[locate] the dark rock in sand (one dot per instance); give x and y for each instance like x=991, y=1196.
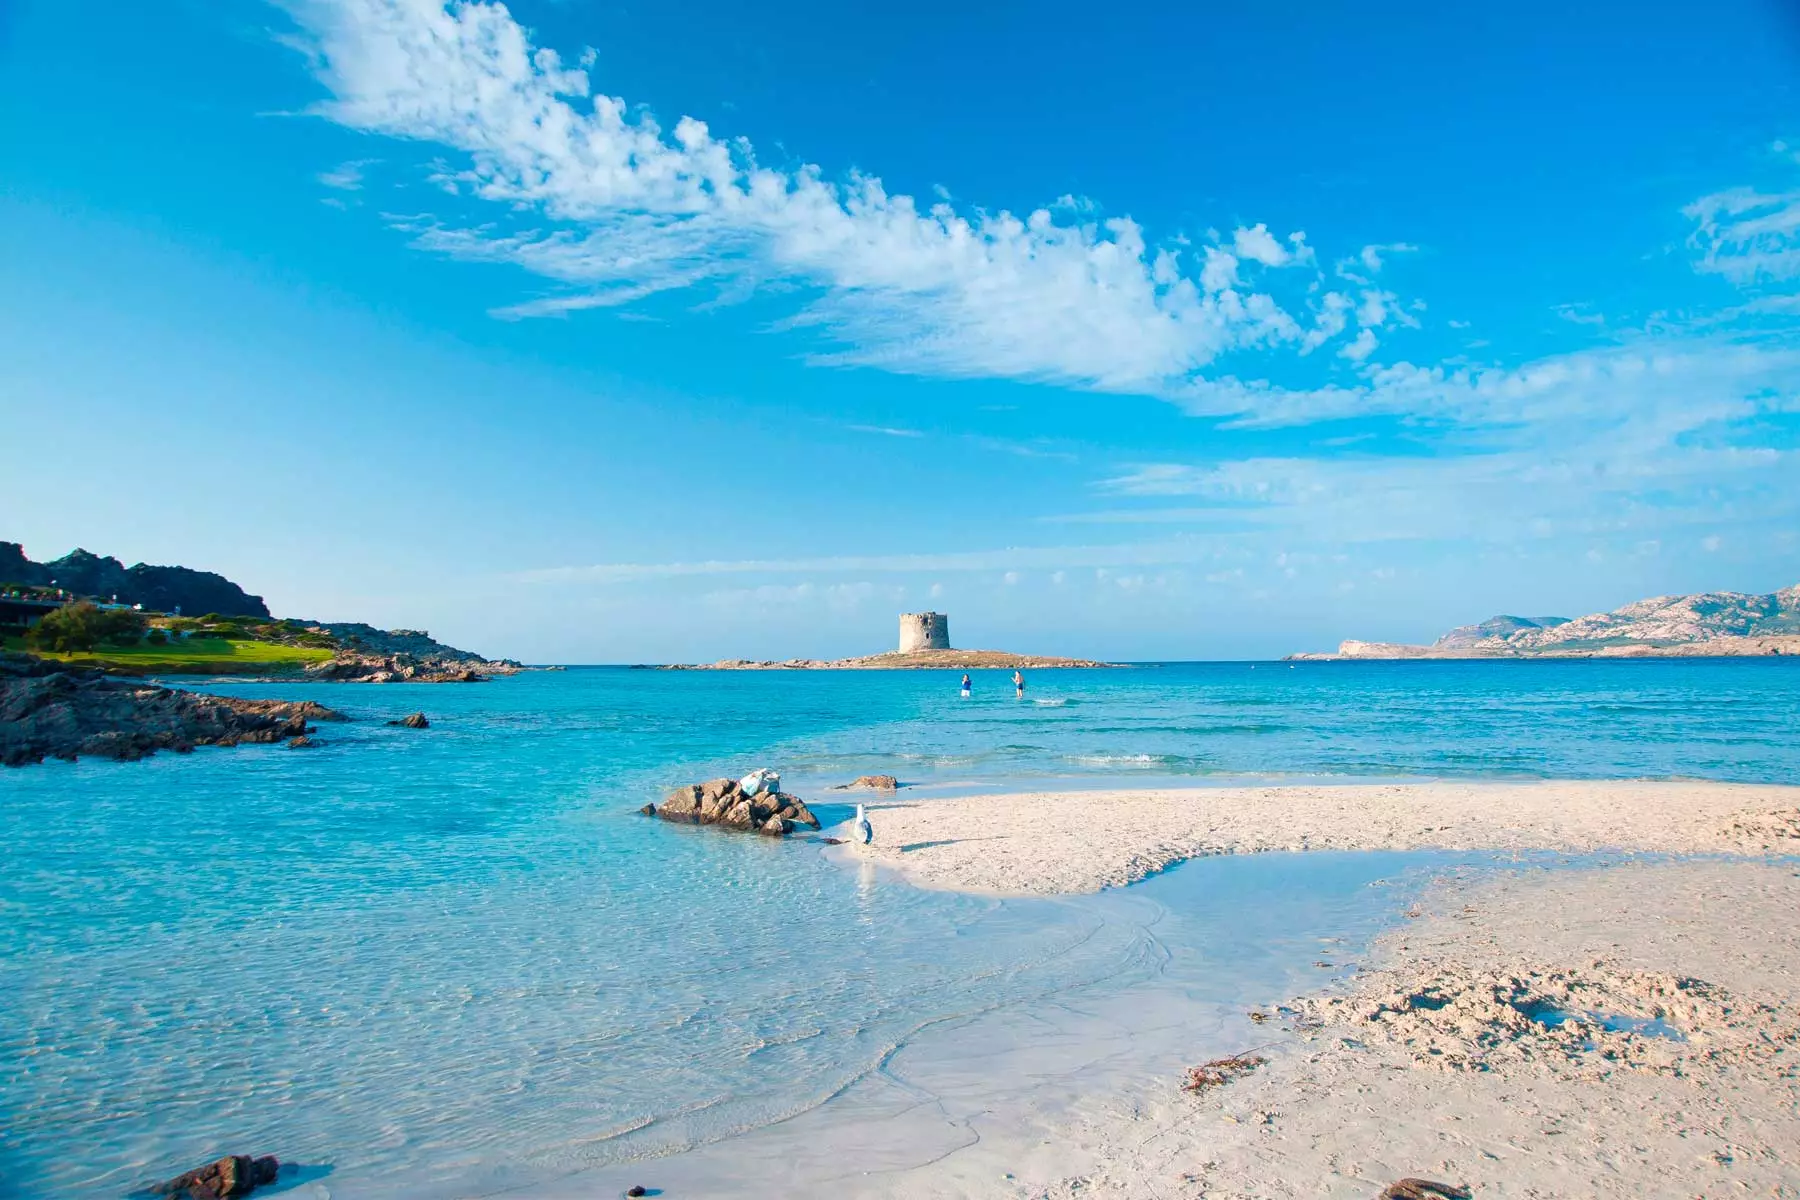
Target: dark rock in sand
x=636, y=1190
x=233, y=1175
x=880, y=783
x=1423, y=1189
x=413, y=721
x=723, y=802
x=49, y=710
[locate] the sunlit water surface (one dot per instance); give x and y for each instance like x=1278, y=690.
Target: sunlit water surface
x=422, y=962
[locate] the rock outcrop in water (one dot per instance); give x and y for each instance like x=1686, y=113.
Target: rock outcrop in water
x=48, y=710
x=233, y=1175
x=723, y=802
x=353, y=667
x=878, y=783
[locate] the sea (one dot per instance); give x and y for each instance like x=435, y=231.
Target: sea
x=458, y=962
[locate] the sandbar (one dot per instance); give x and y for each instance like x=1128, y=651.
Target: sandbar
x=1074, y=842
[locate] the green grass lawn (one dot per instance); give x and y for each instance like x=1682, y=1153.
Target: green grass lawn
x=195, y=656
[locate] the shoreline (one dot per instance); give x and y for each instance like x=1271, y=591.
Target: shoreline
x=1621, y=1031
x=1060, y=843
x=1599, y=1026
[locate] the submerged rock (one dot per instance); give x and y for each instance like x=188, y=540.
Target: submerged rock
x=879, y=783
x=413, y=721
x=49, y=710
x=233, y=1175
x=724, y=802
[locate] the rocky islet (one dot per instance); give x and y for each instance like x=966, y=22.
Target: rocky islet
x=724, y=802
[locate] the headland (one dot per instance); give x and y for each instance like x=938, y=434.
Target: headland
x=1704, y=625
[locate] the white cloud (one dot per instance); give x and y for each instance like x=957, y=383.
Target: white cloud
x=624, y=209
x=345, y=177
x=1362, y=347
x=1746, y=235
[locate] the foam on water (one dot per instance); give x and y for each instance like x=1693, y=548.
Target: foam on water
x=416, y=961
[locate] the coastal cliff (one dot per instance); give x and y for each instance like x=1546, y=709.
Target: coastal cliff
x=1706, y=625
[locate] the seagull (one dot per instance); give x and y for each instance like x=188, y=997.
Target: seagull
x=862, y=831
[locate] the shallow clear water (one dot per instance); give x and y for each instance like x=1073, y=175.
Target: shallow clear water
x=415, y=960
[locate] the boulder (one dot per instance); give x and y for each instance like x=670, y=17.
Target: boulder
x=413, y=721
x=299, y=743
x=724, y=802
x=233, y=1175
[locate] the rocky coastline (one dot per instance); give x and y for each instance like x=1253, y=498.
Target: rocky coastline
x=1704, y=625
x=354, y=667
x=49, y=710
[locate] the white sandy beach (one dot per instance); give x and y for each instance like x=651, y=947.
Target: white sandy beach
x=1436, y=1060
x=1620, y=1030
x=1062, y=843
x=1430, y=1065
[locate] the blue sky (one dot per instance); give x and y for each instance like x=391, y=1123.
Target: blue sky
x=605, y=332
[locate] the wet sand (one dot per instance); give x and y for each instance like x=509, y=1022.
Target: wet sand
x=1438, y=1061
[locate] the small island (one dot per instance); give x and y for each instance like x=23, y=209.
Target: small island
x=924, y=646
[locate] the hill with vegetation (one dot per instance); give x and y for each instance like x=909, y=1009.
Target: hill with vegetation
x=161, y=589
x=1707, y=624
x=146, y=632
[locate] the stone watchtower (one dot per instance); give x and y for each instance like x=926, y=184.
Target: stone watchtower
x=924, y=631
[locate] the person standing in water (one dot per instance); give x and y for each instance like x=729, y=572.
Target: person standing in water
x=965, y=684
x=1019, y=683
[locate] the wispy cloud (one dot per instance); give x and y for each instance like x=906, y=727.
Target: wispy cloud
x=1023, y=558
x=346, y=177
x=625, y=209
x=886, y=431
x=1748, y=236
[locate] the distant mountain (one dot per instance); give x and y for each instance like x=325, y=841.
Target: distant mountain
x=1495, y=627
x=1711, y=623
x=164, y=589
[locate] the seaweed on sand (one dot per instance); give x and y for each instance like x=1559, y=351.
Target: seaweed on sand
x=1220, y=1071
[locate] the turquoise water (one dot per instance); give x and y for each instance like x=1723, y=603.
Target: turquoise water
x=413, y=962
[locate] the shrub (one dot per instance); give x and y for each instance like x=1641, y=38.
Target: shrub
x=82, y=626
x=156, y=637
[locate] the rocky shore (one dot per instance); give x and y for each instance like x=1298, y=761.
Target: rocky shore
x=357, y=667
x=48, y=710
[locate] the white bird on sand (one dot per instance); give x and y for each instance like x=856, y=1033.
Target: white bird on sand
x=862, y=831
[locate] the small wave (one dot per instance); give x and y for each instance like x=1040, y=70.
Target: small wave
x=1121, y=760
x=1050, y=703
